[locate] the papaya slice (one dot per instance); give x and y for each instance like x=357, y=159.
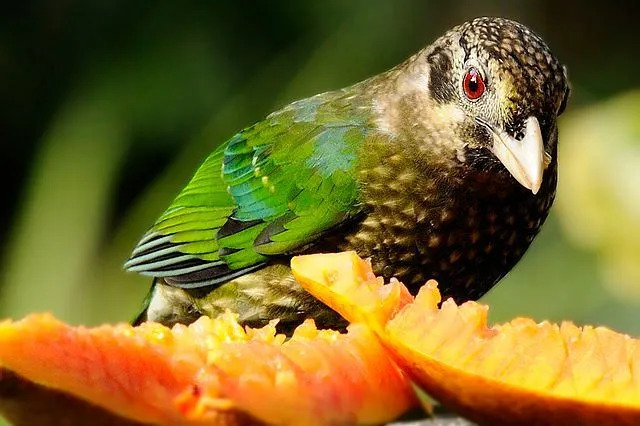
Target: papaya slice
x=347, y=284
x=521, y=372
x=212, y=372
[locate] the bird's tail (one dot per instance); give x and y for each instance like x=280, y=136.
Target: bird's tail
x=142, y=315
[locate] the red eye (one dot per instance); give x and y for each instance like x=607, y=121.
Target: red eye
x=473, y=84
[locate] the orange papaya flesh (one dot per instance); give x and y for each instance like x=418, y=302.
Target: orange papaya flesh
x=346, y=283
x=521, y=372
x=212, y=372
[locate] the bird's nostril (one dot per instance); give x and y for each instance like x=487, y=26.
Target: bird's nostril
x=516, y=129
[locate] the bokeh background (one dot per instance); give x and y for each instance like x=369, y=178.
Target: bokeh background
x=108, y=107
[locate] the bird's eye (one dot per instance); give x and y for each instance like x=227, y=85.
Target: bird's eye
x=473, y=84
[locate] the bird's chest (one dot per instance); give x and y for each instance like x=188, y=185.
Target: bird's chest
x=466, y=238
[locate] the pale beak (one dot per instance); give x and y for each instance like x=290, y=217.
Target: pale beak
x=524, y=159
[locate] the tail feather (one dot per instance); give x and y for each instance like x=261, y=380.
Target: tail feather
x=142, y=315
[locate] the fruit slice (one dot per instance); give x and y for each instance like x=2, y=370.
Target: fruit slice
x=347, y=284
x=212, y=372
x=520, y=372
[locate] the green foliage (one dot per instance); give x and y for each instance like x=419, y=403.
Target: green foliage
x=600, y=206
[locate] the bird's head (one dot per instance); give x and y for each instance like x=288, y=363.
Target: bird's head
x=500, y=87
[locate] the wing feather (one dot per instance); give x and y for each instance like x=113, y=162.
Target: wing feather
x=269, y=190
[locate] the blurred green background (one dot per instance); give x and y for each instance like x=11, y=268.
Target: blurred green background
x=108, y=107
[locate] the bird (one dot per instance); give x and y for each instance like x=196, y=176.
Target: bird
x=443, y=167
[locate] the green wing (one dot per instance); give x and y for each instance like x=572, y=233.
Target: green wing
x=268, y=191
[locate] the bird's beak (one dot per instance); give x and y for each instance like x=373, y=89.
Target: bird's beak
x=524, y=159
